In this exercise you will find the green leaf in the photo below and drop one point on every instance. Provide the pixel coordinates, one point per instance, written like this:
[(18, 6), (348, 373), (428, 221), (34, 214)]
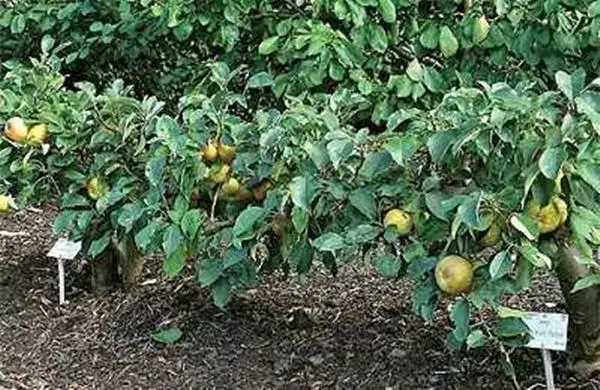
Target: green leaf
[(452, 343), (460, 317), (268, 46), (261, 80), (415, 71), (175, 262), (84, 220), (362, 234), (167, 336), (108, 200), (180, 207), (501, 265), (378, 38), (191, 222), (18, 24), (171, 133), (469, 210), (221, 292), (365, 202), (571, 84), (154, 170), (331, 121), (402, 148), (512, 326), (534, 256), (441, 204), (413, 252), (432, 79), (430, 37), (96, 27), (387, 9), (589, 104), (399, 117), (98, 246), (340, 8), (439, 143), (47, 44), (318, 154), (526, 225), (448, 42), (388, 265), (300, 219), (145, 237), (476, 339), (303, 191), (172, 239), (375, 165), (425, 297), (594, 9), (301, 257), (329, 242), (208, 272), (585, 282), (420, 266), (524, 273), (402, 85), (130, 213), (247, 220), (418, 91), (64, 221), (504, 312), (234, 256), (481, 29), (551, 161), (183, 31), (339, 150), (590, 173)]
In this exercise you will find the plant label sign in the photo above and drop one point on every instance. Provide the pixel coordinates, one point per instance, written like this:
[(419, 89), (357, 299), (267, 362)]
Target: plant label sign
[(62, 250), (65, 249), (548, 330)]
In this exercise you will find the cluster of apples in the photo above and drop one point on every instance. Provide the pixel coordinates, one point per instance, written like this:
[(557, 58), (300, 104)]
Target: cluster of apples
[(219, 157), (17, 131)]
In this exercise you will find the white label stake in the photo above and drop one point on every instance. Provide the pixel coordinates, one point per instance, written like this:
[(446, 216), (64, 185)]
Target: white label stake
[(61, 282), (547, 358), (62, 250), (548, 332)]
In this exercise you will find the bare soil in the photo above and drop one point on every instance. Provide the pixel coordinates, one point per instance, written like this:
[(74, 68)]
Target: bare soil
[(353, 331)]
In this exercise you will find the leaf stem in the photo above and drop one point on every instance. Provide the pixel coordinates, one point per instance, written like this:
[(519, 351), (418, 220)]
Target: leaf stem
[(214, 204)]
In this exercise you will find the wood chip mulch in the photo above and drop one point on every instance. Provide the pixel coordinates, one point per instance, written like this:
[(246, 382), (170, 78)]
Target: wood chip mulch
[(353, 331)]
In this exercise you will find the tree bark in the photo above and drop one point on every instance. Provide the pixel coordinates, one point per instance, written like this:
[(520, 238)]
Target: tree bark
[(131, 262), (584, 315), (105, 271)]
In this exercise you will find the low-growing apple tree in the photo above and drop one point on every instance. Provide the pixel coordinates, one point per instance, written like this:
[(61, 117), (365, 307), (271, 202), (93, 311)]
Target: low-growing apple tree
[(453, 142)]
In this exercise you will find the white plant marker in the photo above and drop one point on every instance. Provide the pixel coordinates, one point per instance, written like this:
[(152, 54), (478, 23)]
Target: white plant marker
[(549, 332), (61, 281), (547, 358), (63, 250)]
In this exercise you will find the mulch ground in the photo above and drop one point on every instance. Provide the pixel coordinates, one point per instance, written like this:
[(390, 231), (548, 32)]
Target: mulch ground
[(353, 331)]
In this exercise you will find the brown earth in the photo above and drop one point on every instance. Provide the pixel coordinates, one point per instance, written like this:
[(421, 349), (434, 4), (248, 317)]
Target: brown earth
[(353, 331)]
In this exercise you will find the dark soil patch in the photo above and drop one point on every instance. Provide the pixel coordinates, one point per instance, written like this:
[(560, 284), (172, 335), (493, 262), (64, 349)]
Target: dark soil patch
[(353, 331)]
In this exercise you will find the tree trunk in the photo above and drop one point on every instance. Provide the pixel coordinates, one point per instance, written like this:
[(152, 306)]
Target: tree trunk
[(584, 315), (131, 262), (105, 271)]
